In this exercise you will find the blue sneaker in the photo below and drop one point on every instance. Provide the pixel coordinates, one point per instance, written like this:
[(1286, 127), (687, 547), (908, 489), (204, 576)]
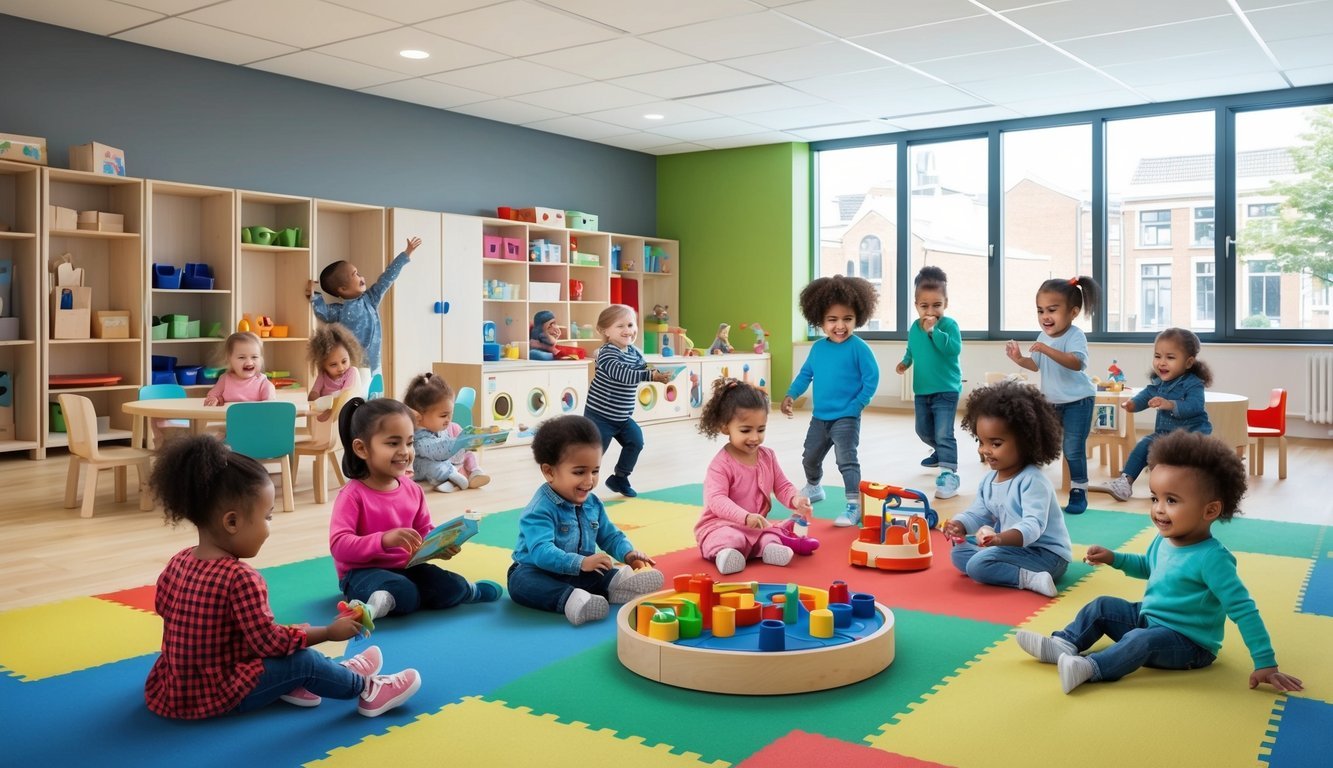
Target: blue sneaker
[(931, 461), (813, 491), (621, 486), (1078, 502), (946, 485), (850, 516)]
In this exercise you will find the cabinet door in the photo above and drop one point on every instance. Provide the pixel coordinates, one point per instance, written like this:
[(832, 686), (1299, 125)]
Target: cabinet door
[(418, 330), (462, 251)]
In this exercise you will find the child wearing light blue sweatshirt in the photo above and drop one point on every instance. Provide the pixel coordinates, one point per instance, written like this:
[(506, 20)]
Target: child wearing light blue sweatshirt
[(934, 344), (360, 307), (845, 377)]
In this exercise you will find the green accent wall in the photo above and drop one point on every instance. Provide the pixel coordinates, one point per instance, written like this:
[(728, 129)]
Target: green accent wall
[(742, 217)]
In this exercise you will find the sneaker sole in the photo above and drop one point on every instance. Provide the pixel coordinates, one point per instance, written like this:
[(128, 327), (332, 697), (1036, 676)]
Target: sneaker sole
[(845, 522), (729, 562), (595, 609), (478, 481), (945, 494), (307, 703), (635, 584), (781, 558), (395, 702)]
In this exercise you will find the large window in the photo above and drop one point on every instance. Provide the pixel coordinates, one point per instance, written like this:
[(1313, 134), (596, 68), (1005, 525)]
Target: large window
[(1204, 231), (1155, 296), (858, 222), (1205, 293), (948, 207), (1263, 294)]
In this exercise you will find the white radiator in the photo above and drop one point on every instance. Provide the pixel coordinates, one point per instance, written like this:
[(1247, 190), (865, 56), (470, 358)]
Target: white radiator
[(907, 394), (1319, 388)]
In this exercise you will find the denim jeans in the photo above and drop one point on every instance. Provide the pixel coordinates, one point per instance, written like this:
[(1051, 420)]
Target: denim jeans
[(1136, 643), (1138, 458), (843, 435), (533, 587), (934, 425), (308, 669), (421, 586), (1000, 565), (627, 433), (1077, 419)]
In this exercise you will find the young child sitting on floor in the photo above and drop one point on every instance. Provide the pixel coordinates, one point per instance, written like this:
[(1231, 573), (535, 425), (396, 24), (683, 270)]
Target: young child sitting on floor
[(436, 463)]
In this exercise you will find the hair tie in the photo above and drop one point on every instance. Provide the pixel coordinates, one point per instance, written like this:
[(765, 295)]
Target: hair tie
[(730, 382), (1073, 280)]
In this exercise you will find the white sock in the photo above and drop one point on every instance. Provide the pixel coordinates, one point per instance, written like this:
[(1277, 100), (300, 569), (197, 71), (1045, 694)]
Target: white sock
[(1074, 671), (628, 583), (582, 606), (1037, 581), (380, 603), (776, 554), (1045, 648), (729, 561)]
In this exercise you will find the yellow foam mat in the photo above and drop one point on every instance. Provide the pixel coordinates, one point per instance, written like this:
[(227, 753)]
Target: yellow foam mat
[(656, 527), (59, 638), (478, 732), (480, 561), (1233, 721)]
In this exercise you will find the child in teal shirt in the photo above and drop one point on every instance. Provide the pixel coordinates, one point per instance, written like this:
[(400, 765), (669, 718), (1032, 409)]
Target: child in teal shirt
[(934, 344)]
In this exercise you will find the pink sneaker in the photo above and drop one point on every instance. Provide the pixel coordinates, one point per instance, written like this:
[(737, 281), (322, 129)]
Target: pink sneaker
[(368, 663), (384, 692), (301, 698)]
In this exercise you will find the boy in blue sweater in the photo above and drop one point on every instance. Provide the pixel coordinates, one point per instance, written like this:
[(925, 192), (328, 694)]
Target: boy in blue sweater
[(360, 307), (845, 377), (1192, 588)]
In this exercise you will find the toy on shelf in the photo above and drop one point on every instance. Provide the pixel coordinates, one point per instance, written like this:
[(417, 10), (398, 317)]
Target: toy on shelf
[(660, 314), (898, 538), (1115, 379), (722, 342), (244, 325), (760, 337), (356, 610), (263, 327)]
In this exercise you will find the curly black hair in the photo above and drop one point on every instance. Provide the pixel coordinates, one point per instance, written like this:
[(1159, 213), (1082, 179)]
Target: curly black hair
[(1037, 428), (197, 478), (854, 293), (359, 419), (931, 279), (330, 337), (1189, 344), (1219, 470), (555, 437), (730, 395)]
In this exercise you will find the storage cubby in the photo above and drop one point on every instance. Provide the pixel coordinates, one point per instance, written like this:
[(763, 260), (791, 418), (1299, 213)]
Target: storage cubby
[(590, 258), (20, 317), (271, 279)]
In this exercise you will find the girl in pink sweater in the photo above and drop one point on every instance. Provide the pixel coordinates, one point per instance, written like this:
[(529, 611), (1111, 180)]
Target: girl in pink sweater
[(244, 379), (741, 481)]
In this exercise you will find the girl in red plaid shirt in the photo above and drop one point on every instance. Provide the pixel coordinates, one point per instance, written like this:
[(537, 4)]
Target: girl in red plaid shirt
[(222, 650)]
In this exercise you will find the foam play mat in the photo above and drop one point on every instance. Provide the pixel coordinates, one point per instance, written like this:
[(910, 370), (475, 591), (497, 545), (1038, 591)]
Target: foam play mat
[(504, 685)]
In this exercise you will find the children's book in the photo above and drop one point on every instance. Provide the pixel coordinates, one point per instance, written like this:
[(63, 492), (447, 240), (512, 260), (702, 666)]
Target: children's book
[(445, 535), (471, 438)]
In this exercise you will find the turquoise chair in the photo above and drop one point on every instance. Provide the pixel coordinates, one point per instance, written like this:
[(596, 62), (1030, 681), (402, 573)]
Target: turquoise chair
[(463, 403), (266, 432), (172, 426), (376, 388)]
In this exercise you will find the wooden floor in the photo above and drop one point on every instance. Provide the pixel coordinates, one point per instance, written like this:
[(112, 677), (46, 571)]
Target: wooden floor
[(49, 553)]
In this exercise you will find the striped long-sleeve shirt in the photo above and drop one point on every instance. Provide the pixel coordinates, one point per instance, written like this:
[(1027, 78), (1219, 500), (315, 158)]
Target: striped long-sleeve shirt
[(615, 382)]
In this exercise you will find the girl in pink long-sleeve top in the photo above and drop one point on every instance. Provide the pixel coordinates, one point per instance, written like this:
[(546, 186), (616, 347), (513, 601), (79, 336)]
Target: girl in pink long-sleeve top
[(244, 380), (741, 482)]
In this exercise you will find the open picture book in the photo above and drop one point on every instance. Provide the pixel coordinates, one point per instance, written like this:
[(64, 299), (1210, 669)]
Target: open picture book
[(445, 535)]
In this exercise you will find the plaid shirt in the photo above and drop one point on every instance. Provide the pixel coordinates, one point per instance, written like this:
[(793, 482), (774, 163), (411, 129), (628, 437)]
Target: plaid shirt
[(217, 629)]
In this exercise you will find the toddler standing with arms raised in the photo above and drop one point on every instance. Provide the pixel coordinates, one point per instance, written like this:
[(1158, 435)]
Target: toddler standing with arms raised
[(360, 307)]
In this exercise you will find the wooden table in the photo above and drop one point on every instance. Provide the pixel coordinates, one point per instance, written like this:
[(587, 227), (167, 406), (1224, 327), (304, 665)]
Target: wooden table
[(193, 410)]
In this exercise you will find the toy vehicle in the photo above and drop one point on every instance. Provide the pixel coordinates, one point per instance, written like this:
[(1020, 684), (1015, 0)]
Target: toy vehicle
[(892, 542)]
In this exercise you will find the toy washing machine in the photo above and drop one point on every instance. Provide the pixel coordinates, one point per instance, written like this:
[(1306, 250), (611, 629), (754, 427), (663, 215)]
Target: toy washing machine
[(523, 395), (662, 402)]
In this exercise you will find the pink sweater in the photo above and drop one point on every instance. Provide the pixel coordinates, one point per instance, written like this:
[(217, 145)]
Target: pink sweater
[(733, 490), (326, 385), (231, 388), (361, 516)]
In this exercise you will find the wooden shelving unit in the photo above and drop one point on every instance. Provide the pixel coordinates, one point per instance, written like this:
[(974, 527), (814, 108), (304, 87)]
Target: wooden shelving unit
[(270, 279), (355, 233), (20, 357)]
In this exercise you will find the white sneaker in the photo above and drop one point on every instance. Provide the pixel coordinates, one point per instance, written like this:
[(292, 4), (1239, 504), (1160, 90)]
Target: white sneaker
[(1036, 581), (813, 491), (459, 479), (1044, 648), (1122, 488), (380, 603), (446, 487), (946, 485), (628, 583), (729, 561), (776, 554), (477, 479), (582, 607), (850, 516), (1075, 670)]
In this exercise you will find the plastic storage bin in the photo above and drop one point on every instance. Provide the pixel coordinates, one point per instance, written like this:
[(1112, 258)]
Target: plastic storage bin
[(197, 277), (187, 375), (166, 276)]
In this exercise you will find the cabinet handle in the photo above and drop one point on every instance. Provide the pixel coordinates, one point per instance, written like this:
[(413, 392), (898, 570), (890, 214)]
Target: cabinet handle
[(441, 308)]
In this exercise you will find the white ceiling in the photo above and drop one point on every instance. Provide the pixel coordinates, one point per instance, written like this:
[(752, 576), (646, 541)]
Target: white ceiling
[(732, 73)]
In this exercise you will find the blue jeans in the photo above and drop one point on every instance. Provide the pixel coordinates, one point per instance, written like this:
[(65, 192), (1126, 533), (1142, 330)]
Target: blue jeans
[(1077, 419), (308, 669), (934, 425), (627, 433), (1000, 565), (533, 587), (1138, 458), (421, 586), (1136, 643), (843, 436)]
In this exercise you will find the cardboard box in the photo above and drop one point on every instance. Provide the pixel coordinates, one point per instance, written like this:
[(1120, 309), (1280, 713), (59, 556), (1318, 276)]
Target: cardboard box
[(59, 218), (111, 324), (548, 217), (71, 312), (97, 158), (24, 149), (543, 291), (101, 221), (580, 220)]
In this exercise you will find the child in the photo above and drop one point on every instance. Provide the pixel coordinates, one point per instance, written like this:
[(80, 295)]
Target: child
[(1192, 587), (1019, 432), (845, 376), (542, 339), (556, 564), (360, 307), (1060, 355), (335, 353), (617, 374), (1175, 389), (432, 399), (934, 344), (379, 519), (741, 481), (222, 651), (244, 380), (722, 344)]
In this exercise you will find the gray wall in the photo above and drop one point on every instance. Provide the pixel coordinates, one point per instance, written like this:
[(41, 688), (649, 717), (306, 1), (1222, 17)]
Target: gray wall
[(182, 118)]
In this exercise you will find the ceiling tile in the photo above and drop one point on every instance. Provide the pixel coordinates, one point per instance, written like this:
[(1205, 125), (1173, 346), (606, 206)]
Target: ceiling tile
[(1303, 52), (508, 111), (817, 60), (101, 17), (1311, 75), (614, 58), (1199, 66), (328, 70), (954, 117), (408, 11), (518, 28), (688, 81), (737, 36), (1081, 18), (1064, 82), (679, 149), (1015, 62), (1009, 5), (843, 131), (200, 40), (428, 92), (642, 16), (1292, 21), (763, 98), (978, 34), (381, 50), (639, 141), (875, 82), (1042, 104), (916, 101), (169, 7), (750, 140), (508, 77), (1216, 86), (300, 23), (578, 127), (707, 129), (803, 117), (1207, 35), (672, 112), (585, 97), (847, 18)]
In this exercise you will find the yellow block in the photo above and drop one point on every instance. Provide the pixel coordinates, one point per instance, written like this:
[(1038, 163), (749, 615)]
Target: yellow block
[(656, 527), (59, 638), (478, 732)]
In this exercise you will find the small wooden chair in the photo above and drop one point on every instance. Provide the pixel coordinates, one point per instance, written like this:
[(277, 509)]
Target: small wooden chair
[(266, 431), (1266, 423), (81, 425), (323, 443)]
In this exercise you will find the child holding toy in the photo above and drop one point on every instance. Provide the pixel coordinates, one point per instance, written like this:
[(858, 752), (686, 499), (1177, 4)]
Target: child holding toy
[(1060, 355), (556, 565), (741, 481), (845, 377), (380, 518), (617, 374), (542, 338), (222, 651), (360, 307), (934, 345), (1025, 544), (1193, 586), (244, 380), (335, 353), (1175, 389), (445, 470)]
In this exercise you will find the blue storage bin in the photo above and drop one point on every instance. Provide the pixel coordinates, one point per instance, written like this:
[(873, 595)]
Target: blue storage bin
[(490, 352), (188, 374), (163, 377), (166, 276), (197, 277), (164, 363)]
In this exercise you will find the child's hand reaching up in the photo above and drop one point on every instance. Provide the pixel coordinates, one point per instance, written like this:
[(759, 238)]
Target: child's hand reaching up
[(1100, 556), (756, 521), (1011, 349), (600, 562), (412, 244), (401, 538), (1279, 680)]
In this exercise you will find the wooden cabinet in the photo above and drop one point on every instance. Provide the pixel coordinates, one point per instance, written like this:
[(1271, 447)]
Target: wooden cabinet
[(271, 279), (519, 395), (22, 281), (643, 275)]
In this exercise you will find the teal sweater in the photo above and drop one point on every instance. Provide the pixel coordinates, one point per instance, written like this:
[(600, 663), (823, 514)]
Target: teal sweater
[(1193, 590), (934, 357), (845, 376)]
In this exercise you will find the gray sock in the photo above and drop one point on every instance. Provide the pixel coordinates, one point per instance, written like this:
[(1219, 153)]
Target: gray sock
[(1074, 671), (1044, 648), (380, 603)]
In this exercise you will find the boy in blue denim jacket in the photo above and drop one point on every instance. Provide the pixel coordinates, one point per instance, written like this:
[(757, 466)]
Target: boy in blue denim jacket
[(557, 566)]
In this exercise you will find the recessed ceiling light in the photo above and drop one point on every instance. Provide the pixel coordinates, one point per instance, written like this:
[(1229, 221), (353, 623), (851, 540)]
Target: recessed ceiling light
[(412, 53), (653, 116)]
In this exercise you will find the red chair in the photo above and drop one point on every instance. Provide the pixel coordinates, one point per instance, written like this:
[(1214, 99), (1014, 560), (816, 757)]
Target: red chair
[(1266, 423)]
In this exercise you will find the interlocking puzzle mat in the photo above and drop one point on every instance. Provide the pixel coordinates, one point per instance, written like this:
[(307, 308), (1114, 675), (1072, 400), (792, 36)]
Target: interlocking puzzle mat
[(504, 685)]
